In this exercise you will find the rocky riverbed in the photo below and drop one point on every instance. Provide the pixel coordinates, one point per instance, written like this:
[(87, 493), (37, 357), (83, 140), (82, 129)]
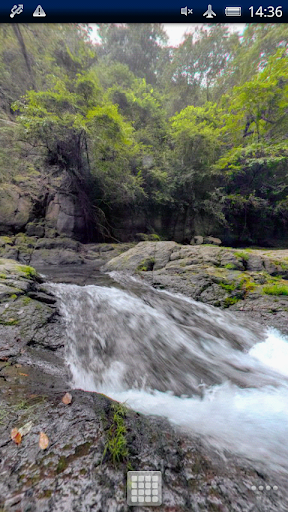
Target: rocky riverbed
[(85, 468), (251, 282)]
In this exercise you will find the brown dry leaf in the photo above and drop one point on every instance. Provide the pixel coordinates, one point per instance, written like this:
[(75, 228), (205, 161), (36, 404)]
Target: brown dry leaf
[(67, 399), (16, 435), (43, 441), (18, 365), (23, 374)]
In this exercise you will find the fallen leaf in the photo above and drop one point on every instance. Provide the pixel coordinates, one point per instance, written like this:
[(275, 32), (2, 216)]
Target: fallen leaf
[(67, 399), (3, 358), (18, 365), (43, 441), (26, 428), (23, 374), (16, 435)]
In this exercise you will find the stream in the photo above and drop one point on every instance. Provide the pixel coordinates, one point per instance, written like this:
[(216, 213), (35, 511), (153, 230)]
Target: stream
[(209, 372)]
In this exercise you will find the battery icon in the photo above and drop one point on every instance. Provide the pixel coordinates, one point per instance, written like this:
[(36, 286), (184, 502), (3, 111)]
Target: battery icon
[(233, 11)]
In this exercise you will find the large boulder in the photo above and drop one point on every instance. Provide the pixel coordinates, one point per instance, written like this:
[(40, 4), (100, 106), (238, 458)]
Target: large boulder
[(64, 216), (212, 240), (198, 240), (145, 256), (15, 209)]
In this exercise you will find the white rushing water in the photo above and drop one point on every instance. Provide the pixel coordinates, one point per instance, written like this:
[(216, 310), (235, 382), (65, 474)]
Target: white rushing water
[(145, 351)]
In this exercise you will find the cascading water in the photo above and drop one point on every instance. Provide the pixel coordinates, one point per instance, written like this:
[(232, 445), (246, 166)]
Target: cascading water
[(171, 356)]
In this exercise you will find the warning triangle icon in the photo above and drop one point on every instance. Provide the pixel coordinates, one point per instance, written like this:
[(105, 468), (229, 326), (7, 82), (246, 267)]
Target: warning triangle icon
[(39, 12)]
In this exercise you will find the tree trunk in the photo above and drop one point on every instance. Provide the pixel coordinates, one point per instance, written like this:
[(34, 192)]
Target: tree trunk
[(20, 40)]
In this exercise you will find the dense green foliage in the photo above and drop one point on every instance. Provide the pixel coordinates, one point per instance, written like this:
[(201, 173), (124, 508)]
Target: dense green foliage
[(146, 137)]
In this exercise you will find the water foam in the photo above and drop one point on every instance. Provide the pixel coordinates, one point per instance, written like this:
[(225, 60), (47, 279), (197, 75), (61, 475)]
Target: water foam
[(249, 420)]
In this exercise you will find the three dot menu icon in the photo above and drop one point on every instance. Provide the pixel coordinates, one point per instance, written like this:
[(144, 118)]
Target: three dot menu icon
[(144, 488)]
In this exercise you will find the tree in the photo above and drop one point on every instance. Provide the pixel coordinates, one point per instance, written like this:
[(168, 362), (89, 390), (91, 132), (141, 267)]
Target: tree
[(86, 143), (138, 45), (197, 65)]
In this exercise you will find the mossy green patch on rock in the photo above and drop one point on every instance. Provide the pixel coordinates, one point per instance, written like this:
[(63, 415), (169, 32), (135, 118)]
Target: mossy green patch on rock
[(228, 286), (80, 451), (29, 272), (229, 301), (6, 240), (10, 321), (243, 255), (146, 265), (276, 289)]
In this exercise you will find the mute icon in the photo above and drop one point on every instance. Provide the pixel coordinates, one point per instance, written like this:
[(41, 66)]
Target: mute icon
[(184, 10)]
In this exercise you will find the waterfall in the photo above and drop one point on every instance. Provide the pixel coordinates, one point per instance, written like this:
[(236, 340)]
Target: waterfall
[(205, 370)]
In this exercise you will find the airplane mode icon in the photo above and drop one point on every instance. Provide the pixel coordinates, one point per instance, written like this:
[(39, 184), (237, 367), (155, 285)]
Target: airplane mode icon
[(209, 13)]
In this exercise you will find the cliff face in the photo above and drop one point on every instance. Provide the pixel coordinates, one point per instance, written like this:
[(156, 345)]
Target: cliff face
[(41, 213)]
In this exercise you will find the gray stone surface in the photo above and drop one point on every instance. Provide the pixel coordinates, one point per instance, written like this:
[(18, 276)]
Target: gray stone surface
[(15, 207)]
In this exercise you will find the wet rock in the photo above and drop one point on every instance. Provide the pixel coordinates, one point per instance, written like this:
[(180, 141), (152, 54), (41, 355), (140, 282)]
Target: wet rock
[(58, 243), (42, 297), (35, 229), (65, 216), (229, 260), (195, 270), (255, 263), (212, 240), (27, 313), (148, 255), (15, 208), (198, 240), (56, 257)]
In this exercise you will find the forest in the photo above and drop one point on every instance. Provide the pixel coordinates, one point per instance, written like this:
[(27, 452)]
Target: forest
[(144, 140)]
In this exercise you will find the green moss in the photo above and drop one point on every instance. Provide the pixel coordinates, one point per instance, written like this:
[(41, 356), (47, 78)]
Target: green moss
[(246, 284), (243, 255), (11, 321), (281, 264), (229, 301), (80, 451), (146, 265), (3, 276), (28, 271), (62, 464), (13, 296), (26, 300), (46, 494), (7, 240), (276, 289), (153, 237), (228, 286), (230, 266)]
